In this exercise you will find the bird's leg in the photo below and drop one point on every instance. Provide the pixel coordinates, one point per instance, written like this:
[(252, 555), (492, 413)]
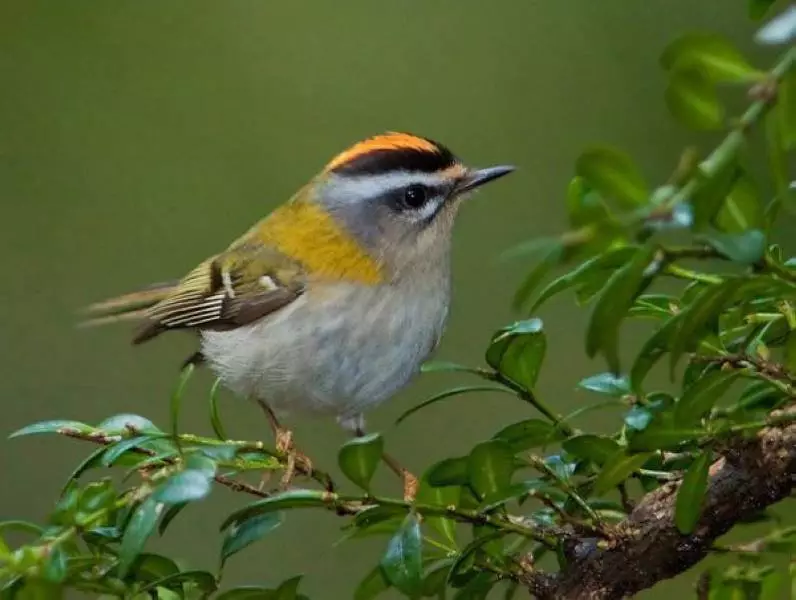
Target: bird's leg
[(410, 482), (284, 445)]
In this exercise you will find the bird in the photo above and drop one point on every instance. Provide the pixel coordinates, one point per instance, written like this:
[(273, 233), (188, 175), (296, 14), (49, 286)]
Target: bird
[(331, 303)]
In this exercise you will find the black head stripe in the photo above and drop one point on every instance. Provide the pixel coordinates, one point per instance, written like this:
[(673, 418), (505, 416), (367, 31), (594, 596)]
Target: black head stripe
[(408, 159)]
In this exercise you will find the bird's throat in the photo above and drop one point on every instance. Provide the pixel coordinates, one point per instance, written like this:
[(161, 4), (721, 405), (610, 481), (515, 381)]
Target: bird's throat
[(306, 232)]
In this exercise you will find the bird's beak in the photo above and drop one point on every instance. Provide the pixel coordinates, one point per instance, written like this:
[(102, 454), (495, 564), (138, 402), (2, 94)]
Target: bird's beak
[(478, 177)]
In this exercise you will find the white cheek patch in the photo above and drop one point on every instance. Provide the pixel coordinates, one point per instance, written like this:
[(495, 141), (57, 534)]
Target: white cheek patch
[(425, 212)]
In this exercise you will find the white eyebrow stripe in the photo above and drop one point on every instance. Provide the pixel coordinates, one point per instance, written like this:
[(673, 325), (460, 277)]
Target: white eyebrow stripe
[(348, 188)]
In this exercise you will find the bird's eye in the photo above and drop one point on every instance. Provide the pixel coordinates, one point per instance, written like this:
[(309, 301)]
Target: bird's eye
[(415, 195)]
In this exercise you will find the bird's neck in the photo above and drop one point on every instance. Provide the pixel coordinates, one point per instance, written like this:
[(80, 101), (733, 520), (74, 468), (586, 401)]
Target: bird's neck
[(306, 232)]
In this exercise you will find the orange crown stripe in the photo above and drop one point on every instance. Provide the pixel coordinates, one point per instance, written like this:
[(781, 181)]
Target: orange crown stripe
[(387, 141)]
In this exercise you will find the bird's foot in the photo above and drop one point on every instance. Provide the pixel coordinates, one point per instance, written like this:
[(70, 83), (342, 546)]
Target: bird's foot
[(296, 461)]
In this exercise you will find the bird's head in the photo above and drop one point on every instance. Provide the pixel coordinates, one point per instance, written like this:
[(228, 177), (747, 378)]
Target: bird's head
[(397, 195)]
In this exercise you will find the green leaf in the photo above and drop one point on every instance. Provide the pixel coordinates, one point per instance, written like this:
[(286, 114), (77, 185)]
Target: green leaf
[(612, 305), (517, 351), (137, 531), (537, 274), (403, 561), (692, 100), (514, 491), (702, 396), (169, 515), (52, 427), (112, 453), (652, 351), (176, 399), (613, 174), (215, 415), (490, 466), (247, 592), (436, 577), (709, 197), (691, 494), (55, 566), (592, 447), (284, 500), (288, 589), (584, 205), (358, 458), (712, 55), (699, 317), (457, 391), (449, 471), (241, 534), (439, 496), (531, 433), (186, 486), (745, 248), (606, 383), (741, 209), (201, 581), (124, 424), (662, 436), (441, 366), (617, 468), (373, 584), (597, 268)]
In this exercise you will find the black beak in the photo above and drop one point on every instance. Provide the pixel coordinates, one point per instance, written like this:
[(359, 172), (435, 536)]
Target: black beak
[(478, 177)]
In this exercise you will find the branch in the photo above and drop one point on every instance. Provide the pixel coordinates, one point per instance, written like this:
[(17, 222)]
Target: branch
[(750, 475)]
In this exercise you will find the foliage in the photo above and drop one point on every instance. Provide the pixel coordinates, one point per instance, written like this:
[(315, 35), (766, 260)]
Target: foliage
[(693, 257)]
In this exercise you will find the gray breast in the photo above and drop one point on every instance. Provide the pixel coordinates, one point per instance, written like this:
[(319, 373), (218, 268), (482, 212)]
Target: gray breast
[(339, 349)]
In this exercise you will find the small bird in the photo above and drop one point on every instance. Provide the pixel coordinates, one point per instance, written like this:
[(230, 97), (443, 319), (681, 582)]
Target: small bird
[(331, 303)]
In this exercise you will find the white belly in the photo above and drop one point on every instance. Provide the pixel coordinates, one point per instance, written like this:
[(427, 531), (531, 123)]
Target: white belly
[(336, 350)]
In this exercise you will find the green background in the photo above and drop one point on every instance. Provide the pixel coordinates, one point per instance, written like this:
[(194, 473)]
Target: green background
[(138, 136)]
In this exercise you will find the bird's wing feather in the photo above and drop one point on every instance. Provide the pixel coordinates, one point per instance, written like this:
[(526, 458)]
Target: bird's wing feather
[(244, 283)]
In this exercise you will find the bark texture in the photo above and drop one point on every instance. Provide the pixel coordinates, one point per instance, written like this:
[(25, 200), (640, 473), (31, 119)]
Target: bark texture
[(750, 475)]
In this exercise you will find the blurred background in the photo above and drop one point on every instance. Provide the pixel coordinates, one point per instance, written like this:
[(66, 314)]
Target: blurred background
[(139, 136)]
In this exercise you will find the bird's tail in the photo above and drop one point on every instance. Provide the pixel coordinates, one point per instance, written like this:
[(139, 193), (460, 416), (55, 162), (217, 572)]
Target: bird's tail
[(127, 307)]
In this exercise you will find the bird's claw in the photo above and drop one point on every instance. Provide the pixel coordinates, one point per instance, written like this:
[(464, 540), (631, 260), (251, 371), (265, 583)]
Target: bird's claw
[(294, 460)]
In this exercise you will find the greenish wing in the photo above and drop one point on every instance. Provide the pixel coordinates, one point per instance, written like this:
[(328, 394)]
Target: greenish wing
[(234, 288)]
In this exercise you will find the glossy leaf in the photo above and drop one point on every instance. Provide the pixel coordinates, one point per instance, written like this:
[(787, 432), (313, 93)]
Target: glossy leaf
[(242, 534), (201, 581), (662, 436), (186, 486), (598, 268), (138, 529), (606, 383), (290, 499), (52, 427), (742, 209), (451, 393), (712, 55), (358, 458), (699, 317), (702, 396), (591, 447), (692, 100), (215, 414), (490, 467), (169, 515), (125, 423), (531, 433), (536, 275), (517, 352), (691, 494), (652, 351), (439, 496), (745, 248), (449, 471), (403, 561), (613, 174), (612, 305), (617, 468)]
